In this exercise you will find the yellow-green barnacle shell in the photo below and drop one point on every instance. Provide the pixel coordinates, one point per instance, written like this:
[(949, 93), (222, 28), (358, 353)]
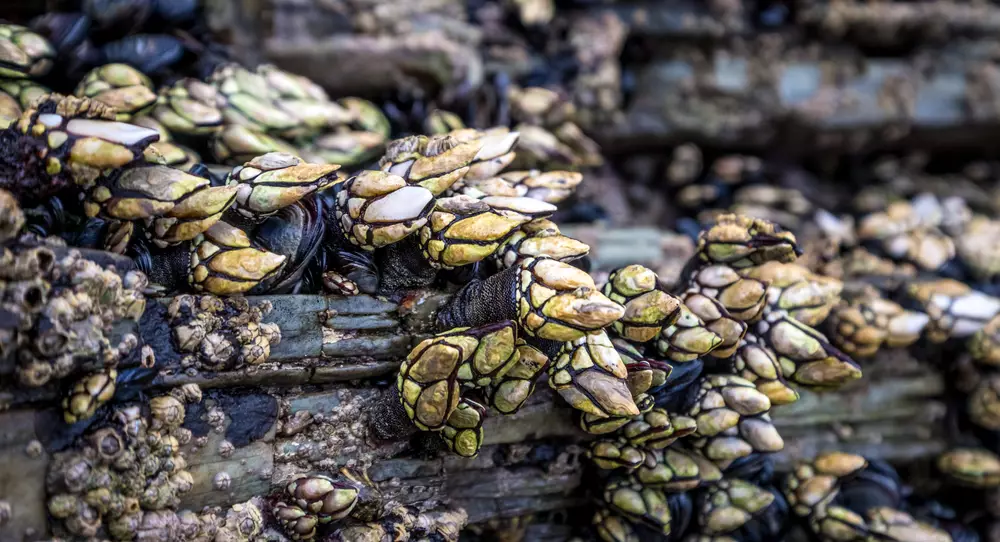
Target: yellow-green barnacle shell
[(548, 186), (513, 388), (496, 152), (296, 522), (538, 147), (366, 116), (225, 262), (758, 364), (88, 394), (121, 86), (731, 504), (647, 308), (615, 453), (971, 467), (463, 230), (435, 163), (741, 241), (494, 355), (864, 324), (613, 528), (428, 383), (463, 432), (168, 153), (348, 148), (440, 122), (644, 374), (236, 144), (674, 470), (375, 209), (984, 403), (955, 309), (743, 297), (805, 355), (536, 239), (16, 96), (328, 499), (890, 524), (276, 180), (23, 53), (539, 105), (754, 434), (598, 425), (640, 504), (559, 302), (175, 206), (305, 100), (984, 345), (687, 338), (977, 249), (722, 401), (189, 107), (118, 236), (792, 288), (480, 188), (249, 101), (717, 320), (590, 375), (654, 429)]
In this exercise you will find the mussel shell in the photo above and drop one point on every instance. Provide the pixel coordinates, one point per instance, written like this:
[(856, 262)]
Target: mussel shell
[(876, 486), (118, 17), (175, 11), (756, 468), (65, 31), (148, 53), (295, 231), (678, 391)]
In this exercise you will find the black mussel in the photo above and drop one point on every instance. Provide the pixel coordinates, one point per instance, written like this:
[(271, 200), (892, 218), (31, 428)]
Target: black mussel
[(175, 11), (115, 18), (65, 31), (148, 53), (297, 232)]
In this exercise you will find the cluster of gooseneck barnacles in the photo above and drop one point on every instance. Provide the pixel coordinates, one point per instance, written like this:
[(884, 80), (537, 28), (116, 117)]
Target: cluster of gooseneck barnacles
[(677, 386)]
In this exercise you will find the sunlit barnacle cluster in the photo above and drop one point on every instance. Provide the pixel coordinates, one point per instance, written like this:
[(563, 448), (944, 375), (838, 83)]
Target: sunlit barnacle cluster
[(842, 496), (221, 333)]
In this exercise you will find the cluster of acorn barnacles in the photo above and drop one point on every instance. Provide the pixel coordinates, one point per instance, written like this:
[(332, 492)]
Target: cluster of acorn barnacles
[(643, 367), (221, 333), (61, 311), (125, 477)]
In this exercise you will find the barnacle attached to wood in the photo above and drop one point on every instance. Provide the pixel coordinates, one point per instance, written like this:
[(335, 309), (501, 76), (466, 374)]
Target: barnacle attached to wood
[(549, 299), (296, 522), (820, 492), (173, 205), (741, 241), (590, 375), (648, 309), (675, 470), (866, 322), (732, 504), (435, 163), (687, 339), (375, 209), (496, 152), (303, 99), (970, 467), (431, 379), (463, 230), (328, 499), (275, 180), (510, 390), (616, 453), (221, 333), (88, 394), (539, 238), (640, 504), (742, 296), (905, 231), (66, 140), (759, 364), (224, 261), (717, 320), (983, 403), (795, 290), (806, 355), (23, 53), (249, 101), (732, 421), (121, 87), (548, 186), (955, 309), (237, 144), (463, 432), (984, 345), (189, 107)]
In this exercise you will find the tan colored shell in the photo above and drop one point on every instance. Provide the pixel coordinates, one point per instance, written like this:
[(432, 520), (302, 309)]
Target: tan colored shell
[(275, 180), (590, 375), (375, 209), (741, 242), (121, 86), (225, 262)]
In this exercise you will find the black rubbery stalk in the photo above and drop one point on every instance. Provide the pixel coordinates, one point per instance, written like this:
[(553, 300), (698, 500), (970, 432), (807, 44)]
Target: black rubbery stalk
[(482, 302)]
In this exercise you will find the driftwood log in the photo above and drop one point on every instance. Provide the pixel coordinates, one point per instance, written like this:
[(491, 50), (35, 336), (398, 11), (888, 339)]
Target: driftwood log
[(308, 409)]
